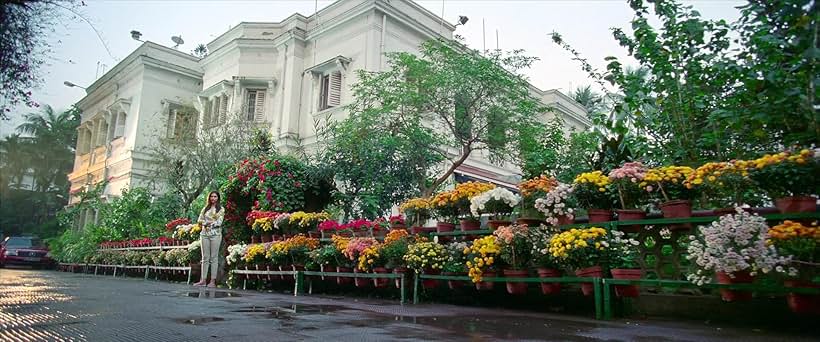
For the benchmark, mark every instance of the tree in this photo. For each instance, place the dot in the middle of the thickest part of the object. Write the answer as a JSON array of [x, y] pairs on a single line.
[[190, 163], [200, 51], [54, 138], [451, 101], [24, 29]]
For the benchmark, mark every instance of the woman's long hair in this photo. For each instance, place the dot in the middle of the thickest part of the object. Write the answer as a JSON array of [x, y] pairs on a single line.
[[218, 206]]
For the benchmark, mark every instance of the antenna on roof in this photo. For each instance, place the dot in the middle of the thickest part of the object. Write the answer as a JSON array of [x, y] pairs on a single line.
[[178, 40]]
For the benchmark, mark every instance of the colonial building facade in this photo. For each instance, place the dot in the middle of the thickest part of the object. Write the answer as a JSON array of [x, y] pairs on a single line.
[[282, 76]]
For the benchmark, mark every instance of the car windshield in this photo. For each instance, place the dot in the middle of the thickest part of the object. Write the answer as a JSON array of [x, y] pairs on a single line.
[[23, 242]]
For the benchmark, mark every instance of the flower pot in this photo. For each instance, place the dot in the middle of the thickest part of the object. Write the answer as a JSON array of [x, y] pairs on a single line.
[[565, 220], [430, 283], [455, 284], [516, 288], [677, 209], [416, 230], [599, 215], [627, 273], [380, 282], [549, 288], [266, 237], [254, 239], [443, 227], [486, 285], [589, 272], [343, 280], [397, 226], [802, 303], [399, 270], [495, 224], [470, 225], [742, 277], [529, 221], [630, 215], [796, 204]]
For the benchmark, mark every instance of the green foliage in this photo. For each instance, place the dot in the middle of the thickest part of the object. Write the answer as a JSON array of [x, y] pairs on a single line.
[[133, 216], [72, 246]]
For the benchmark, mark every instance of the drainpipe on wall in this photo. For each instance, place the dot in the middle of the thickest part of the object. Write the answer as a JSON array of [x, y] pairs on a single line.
[[381, 47]]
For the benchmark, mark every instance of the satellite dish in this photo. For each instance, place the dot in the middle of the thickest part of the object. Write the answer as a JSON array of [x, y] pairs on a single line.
[[178, 40]]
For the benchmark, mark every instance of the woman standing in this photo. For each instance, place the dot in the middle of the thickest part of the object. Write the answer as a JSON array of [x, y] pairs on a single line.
[[210, 219]]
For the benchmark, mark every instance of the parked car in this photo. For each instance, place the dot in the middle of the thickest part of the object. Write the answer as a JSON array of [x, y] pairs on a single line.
[[24, 250]]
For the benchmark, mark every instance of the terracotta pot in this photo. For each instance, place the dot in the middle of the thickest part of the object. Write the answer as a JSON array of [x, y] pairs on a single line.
[[516, 288], [630, 274], [443, 227], [803, 303], [677, 209], [380, 282], [254, 239], [361, 282], [529, 221], [416, 230], [430, 283], [467, 225], [397, 226], [399, 270], [486, 285], [549, 288], [796, 204], [455, 284], [742, 277], [589, 272], [343, 280], [266, 237], [565, 220], [630, 215], [495, 224], [599, 215]]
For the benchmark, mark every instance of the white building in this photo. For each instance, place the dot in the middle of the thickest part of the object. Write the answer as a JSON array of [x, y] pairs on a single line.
[[279, 75]]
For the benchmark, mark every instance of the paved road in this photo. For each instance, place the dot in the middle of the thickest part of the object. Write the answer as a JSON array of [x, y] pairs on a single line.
[[54, 306]]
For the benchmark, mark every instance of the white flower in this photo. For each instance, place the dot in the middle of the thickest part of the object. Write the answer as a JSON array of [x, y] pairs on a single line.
[[479, 203], [554, 204]]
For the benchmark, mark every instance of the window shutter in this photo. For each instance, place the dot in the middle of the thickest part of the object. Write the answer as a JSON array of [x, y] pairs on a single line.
[[223, 109], [215, 111], [172, 118], [335, 89], [259, 114], [120, 130], [206, 113]]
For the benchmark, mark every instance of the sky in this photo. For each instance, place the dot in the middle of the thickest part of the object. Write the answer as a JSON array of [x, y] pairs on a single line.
[[84, 50]]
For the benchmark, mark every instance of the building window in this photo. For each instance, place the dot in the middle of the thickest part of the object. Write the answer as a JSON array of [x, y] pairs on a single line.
[[216, 110], [120, 125], [255, 105], [330, 92], [102, 130], [181, 122]]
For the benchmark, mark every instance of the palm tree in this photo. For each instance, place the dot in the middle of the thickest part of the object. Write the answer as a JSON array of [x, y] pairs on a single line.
[[54, 136], [14, 157], [591, 100]]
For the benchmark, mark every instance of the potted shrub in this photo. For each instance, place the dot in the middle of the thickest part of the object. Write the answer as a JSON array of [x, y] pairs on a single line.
[[417, 211], [481, 257], [802, 244], [667, 184], [455, 265], [426, 258], [353, 250], [195, 257], [592, 190], [396, 222], [445, 210], [734, 250], [545, 264], [343, 263], [627, 181], [498, 202], [298, 250], [325, 257], [623, 263], [791, 179], [531, 190], [583, 250], [461, 197], [395, 246], [235, 255], [303, 222], [282, 225], [726, 185], [558, 205], [515, 252], [372, 259]]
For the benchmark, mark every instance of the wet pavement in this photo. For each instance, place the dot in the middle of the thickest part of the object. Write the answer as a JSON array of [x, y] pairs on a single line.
[[56, 306]]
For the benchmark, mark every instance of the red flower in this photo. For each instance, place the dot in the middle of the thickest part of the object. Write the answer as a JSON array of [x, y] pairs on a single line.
[[297, 184]]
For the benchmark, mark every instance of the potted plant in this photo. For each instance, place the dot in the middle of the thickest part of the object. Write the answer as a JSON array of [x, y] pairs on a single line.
[[298, 250], [426, 258], [734, 250], [623, 263], [372, 259], [461, 197], [445, 210], [455, 265], [235, 255], [791, 179], [515, 252], [592, 190], [396, 222], [584, 250], [802, 244], [395, 246], [726, 185], [545, 264], [343, 263], [531, 190], [558, 205], [355, 247], [325, 257], [417, 211], [627, 181], [282, 225], [497, 202], [303, 222], [481, 257], [667, 184]]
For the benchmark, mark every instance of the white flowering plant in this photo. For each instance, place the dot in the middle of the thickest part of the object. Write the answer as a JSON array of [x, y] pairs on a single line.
[[735, 243], [236, 252], [539, 241], [498, 202], [195, 251], [558, 202], [623, 252]]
